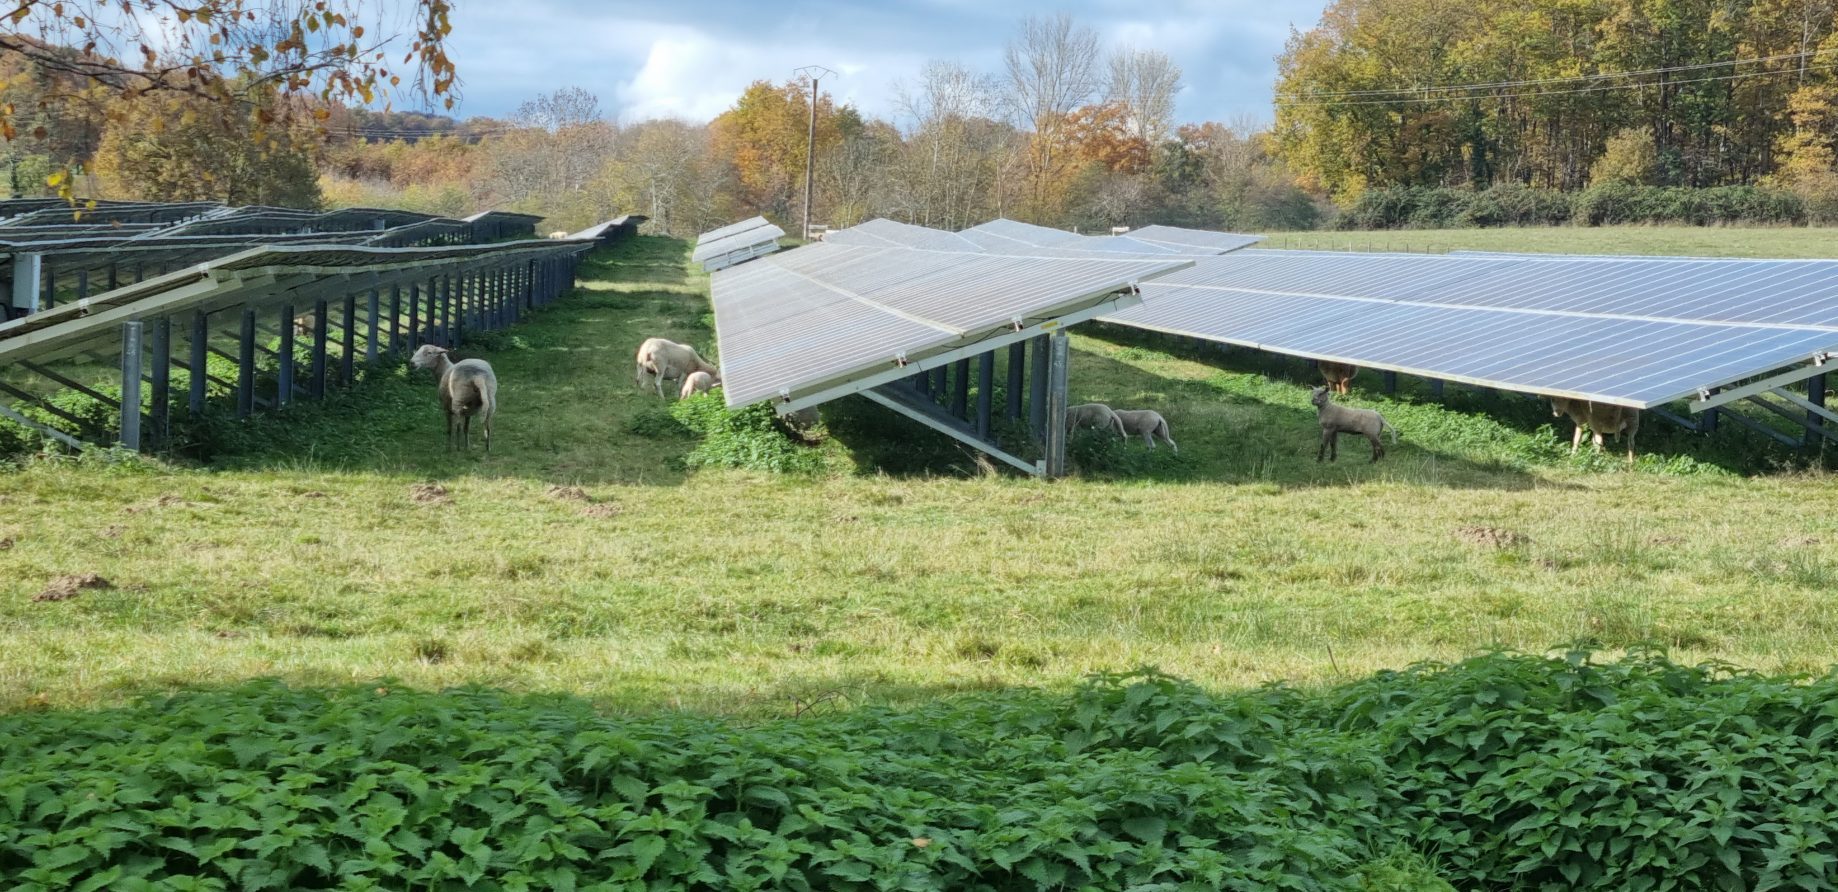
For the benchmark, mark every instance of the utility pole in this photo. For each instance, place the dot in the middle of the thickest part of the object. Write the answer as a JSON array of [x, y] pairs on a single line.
[[815, 73]]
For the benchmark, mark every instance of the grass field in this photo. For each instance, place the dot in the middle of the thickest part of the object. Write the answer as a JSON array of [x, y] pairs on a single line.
[[302, 552]]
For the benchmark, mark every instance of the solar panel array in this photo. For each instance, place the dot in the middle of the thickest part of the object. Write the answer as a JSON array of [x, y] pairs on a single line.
[[823, 315], [1012, 237], [1636, 332], [736, 243]]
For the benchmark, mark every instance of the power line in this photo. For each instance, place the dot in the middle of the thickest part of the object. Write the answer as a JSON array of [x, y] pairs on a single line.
[[1304, 98], [1537, 93]]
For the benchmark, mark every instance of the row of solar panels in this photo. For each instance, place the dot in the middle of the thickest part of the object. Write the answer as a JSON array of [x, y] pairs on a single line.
[[1640, 332]]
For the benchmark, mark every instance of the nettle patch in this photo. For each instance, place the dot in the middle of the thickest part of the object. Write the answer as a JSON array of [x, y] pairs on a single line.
[[1504, 772]]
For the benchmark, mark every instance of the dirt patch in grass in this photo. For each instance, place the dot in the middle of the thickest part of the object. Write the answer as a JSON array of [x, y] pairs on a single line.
[[6, 542], [165, 501], [602, 511], [429, 494], [569, 494], [1490, 537], [64, 588]]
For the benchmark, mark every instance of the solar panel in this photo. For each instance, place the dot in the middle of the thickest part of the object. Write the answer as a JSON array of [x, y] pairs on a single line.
[[891, 233], [715, 250], [732, 229], [1194, 239], [1633, 332], [824, 314]]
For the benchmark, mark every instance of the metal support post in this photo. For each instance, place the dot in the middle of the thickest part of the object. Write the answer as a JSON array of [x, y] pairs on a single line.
[[370, 340], [245, 366], [284, 392], [26, 279], [985, 392], [395, 317], [1037, 388], [315, 385], [130, 385], [414, 318], [1390, 380], [448, 336], [200, 343], [1058, 343], [347, 364], [82, 284], [1815, 423], [1436, 388], [1017, 379], [161, 354], [941, 382], [960, 394]]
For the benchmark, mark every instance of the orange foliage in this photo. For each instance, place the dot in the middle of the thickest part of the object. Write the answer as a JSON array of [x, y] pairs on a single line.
[[1102, 134]]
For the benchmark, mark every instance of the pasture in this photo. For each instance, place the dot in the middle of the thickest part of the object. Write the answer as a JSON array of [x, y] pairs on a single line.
[[340, 543]]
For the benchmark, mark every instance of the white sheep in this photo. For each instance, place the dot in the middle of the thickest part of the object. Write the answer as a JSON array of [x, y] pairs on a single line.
[[1336, 420], [1602, 419], [1095, 416], [558, 234], [660, 360], [1147, 424], [467, 388], [698, 382]]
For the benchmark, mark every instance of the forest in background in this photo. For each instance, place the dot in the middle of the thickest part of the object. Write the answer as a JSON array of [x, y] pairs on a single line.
[[1582, 111]]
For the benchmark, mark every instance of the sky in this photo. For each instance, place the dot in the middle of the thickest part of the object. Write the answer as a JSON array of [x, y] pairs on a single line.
[[691, 58]]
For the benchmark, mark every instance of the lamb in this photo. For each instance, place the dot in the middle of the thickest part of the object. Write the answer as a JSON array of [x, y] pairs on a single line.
[[698, 382], [467, 388], [660, 360], [1146, 423], [1602, 419], [1336, 420], [1095, 416], [1338, 375]]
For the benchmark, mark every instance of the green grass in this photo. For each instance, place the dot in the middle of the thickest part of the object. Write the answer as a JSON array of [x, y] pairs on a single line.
[[1700, 241], [300, 553]]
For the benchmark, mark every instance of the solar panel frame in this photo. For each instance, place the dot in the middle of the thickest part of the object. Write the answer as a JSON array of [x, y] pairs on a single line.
[[815, 318]]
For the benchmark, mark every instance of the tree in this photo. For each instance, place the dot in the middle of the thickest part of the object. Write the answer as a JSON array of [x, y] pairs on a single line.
[[1144, 83], [1052, 69], [764, 135], [179, 147], [238, 54], [949, 159]]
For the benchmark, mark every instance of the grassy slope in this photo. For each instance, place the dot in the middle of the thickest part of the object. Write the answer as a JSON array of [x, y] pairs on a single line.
[[1240, 562]]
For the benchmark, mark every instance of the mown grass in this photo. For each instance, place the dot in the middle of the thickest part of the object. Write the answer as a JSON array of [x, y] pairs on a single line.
[[1700, 241], [302, 554]]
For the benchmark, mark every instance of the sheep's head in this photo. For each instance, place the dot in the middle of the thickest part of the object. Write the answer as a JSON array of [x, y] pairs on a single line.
[[427, 357], [1318, 396]]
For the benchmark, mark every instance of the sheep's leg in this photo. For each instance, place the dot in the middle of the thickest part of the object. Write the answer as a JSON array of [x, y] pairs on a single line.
[[1378, 446], [1600, 441], [1630, 445], [1576, 440], [486, 421], [452, 429], [1322, 452], [1148, 437]]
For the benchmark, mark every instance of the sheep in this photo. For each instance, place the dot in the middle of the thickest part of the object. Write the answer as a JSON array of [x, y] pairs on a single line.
[[1146, 423], [1602, 419], [467, 388], [660, 360], [1338, 375], [558, 234], [1336, 420], [698, 382], [1095, 416]]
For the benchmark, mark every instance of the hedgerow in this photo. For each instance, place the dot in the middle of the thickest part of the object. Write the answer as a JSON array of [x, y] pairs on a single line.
[[1503, 772], [1514, 204]]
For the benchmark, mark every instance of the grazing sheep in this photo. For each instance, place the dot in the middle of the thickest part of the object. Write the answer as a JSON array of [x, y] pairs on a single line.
[[558, 234], [660, 360], [1338, 375], [1602, 419], [1146, 423], [1336, 420], [698, 382], [467, 388], [1095, 416]]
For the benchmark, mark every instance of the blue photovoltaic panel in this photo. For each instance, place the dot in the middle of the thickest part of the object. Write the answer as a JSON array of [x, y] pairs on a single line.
[[1638, 332], [810, 319]]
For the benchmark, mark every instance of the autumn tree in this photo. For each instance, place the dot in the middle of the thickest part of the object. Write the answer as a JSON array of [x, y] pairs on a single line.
[[232, 54], [1052, 66], [1143, 82], [179, 147], [763, 137]]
